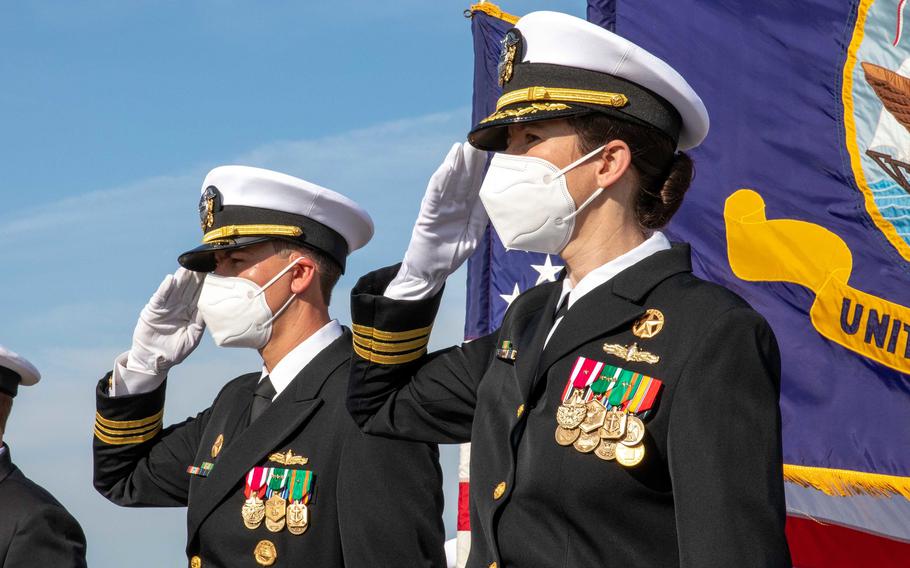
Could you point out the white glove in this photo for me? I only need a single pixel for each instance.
(449, 226)
(170, 325)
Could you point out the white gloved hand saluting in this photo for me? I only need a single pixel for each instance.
(449, 226)
(169, 329)
(170, 325)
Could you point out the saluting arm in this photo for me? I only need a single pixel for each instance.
(137, 462)
(395, 388)
(725, 448)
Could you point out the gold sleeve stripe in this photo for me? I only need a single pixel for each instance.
(130, 432)
(532, 94)
(127, 424)
(388, 359)
(374, 333)
(125, 441)
(229, 231)
(382, 347)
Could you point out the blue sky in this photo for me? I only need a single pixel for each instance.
(112, 113)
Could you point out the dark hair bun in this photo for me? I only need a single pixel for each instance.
(664, 175)
(656, 206)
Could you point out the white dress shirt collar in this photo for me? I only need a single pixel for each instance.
(299, 357)
(655, 243)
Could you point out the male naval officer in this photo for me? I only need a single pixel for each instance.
(35, 529)
(275, 471)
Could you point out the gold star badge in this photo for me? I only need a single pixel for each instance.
(648, 325)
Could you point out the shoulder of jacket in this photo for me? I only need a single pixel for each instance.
(716, 297)
(527, 301)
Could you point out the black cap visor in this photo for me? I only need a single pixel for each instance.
(202, 258)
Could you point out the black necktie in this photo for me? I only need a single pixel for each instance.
(563, 308)
(262, 398)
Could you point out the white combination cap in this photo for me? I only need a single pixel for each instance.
(554, 65)
(242, 205)
(15, 370)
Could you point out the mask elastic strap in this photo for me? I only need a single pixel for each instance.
(587, 202)
(281, 310)
(579, 161)
(277, 276)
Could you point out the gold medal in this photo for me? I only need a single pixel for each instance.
(253, 512)
(614, 425)
(630, 456)
(275, 509)
(606, 450)
(586, 442)
(635, 431)
(265, 553)
(571, 414)
(595, 412)
(297, 518)
(566, 436)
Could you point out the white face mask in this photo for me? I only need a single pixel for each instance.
(235, 311)
(529, 204)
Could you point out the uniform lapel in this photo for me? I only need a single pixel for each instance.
(6, 464)
(615, 303)
(537, 324)
(281, 419)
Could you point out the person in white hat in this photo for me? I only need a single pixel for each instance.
(35, 529)
(275, 471)
(627, 414)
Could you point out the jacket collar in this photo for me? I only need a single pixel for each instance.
(614, 303)
(279, 421)
(6, 463)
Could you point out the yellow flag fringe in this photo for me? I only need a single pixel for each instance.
(493, 10)
(844, 483)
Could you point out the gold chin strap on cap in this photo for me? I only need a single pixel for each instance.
(229, 231)
(535, 94)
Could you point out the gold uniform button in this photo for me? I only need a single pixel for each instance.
(265, 553)
(500, 490)
(195, 562)
(520, 411)
(493, 565)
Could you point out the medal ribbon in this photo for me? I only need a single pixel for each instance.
(605, 382)
(308, 486)
(301, 481)
(620, 391)
(278, 481)
(583, 374)
(255, 482)
(644, 396)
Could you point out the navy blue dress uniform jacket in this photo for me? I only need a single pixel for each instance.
(376, 502)
(709, 492)
(35, 529)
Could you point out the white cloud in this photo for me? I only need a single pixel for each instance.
(83, 267)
